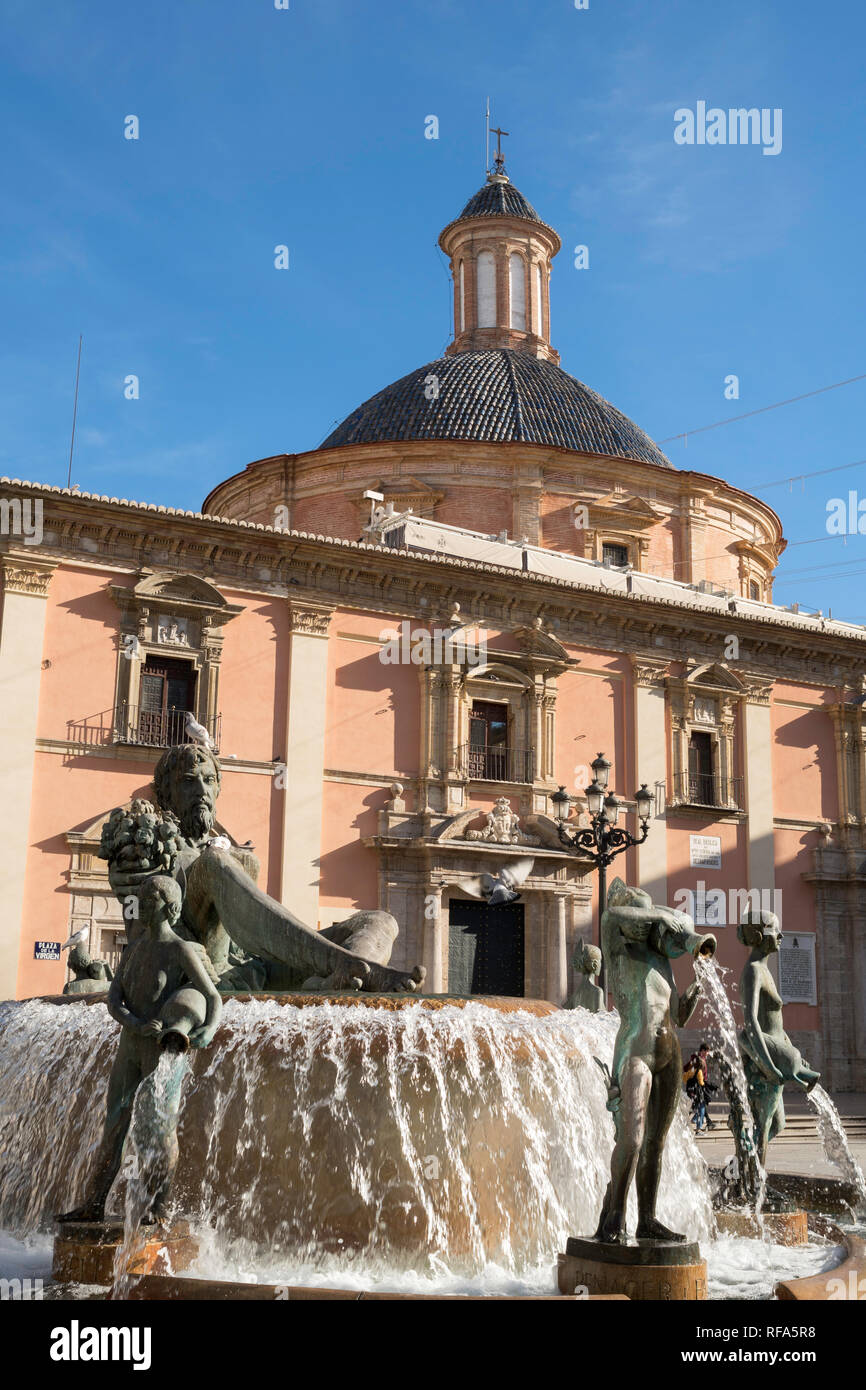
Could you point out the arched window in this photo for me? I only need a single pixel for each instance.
(517, 290)
(485, 269)
(539, 302)
(462, 296)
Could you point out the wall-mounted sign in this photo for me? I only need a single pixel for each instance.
(798, 983)
(705, 851)
(46, 950)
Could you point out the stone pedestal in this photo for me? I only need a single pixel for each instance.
(644, 1270)
(84, 1251)
(783, 1227)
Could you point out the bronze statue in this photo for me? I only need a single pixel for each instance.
(252, 941)
(639, 939)
(165, 1000)
(770, 1059)
(91, 976)
(586, 994)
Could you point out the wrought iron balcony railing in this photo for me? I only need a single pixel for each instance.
(132, 724)
(498, 764)
(706, 789)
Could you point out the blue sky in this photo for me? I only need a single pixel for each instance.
(305, 127)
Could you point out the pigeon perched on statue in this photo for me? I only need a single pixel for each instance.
(80, 935)
(218, 842)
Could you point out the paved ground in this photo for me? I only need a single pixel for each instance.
(800, 1157)
(804, 1154)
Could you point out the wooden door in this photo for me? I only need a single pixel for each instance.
(488, 740)
(486, 949)
(166, 692)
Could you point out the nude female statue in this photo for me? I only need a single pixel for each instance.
(769, 1057)
(639, 940)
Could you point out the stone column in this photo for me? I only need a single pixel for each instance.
(25, 590)
(557, 949)
(305, 759)
(758, 765)
(651, 766)
(434, 939)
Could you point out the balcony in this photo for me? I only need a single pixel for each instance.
(706, 789)
(501, 763)
(130, 724)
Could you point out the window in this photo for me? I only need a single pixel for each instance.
(166, 692)
(616, 555)
(539, 303)
(485, 268)
(754, 591)
(701, 769)
(517, 290)
(488, 739)
(462, 280)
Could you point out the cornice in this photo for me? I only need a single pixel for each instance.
(259, 558)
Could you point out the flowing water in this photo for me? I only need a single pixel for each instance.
(716, 1001)
(448, 1146)
(835, 1141)
(150, 1132)
(830, 1127)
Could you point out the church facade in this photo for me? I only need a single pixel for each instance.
(398, 684)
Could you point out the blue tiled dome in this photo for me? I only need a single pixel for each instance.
(501, 396)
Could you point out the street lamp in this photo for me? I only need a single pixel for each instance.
(603, 839)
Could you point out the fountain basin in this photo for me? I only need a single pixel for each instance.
(781, 1227)
(85, 1252)
(350, 1135)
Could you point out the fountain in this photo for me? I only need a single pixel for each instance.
(412, 1141)
(755, 1066)
(343, 1130)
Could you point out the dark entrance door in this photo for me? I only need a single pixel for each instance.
(701, 780)
(488, 740)
(485, 948)
(167, 691)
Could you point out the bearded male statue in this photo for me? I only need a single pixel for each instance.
(252, 941)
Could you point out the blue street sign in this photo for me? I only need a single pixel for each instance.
(46, 950)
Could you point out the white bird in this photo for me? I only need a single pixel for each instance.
(503, 888)
(80, 935)
(218, 842)
(195, 731)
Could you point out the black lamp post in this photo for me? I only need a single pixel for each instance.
(603, 839)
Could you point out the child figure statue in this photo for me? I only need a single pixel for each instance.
(165, 1001)
(587, 994)
(770, 1059)
(639, 939)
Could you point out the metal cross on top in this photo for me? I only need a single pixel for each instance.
(499, 157)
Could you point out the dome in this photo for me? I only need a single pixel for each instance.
(499, 199)
(497, 397)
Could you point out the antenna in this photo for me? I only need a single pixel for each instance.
(74, 411)
(487, 141)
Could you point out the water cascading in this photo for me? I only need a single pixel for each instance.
(363, 1131)
(717, 1003)
(149, 1132)
(837, 1150)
